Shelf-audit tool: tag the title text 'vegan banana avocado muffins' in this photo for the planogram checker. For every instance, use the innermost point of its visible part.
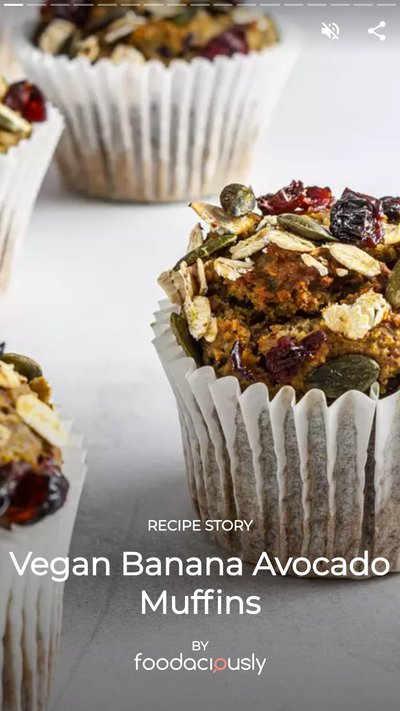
(293, 296)
(41, 476)
(161, 103)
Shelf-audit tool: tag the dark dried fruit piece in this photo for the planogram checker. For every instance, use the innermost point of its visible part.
(357, 219)
(181, 332)
(27, 367)
(76, 11)
(349, 372)
(284, 360)
(391, 208)
(237, 199)
(296, 198)
(28, 100)
(236, 358)
(228, 43)
(392, 294)
(209, 247)
(27, 494)
(305, 226)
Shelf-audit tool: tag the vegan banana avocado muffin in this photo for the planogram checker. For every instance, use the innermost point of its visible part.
(293, 288)
(32, 485)
(147, 31)
(22, 104)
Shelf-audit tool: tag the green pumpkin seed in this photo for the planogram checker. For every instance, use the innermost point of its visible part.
(25, 366)
(348, 372)
(393, 287)
(305, 226)
(212, 245)
(184, 339)
(237, 199)
(184, 17)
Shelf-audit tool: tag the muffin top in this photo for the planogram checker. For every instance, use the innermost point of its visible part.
(293, 288)
(21, 106)
(99, 31)
(31, 434)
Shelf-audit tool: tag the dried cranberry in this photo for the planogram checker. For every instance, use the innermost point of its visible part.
(391, 208)
(284, 360)
(295, 198)
(75, 11)
(357, 218)
(28, 100)
(227, 43)
(29, 494)
(239, 368)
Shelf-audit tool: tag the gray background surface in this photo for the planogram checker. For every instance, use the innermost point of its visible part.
(81, 303)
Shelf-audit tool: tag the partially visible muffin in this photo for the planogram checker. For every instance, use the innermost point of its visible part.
(98, 31)
(32, 485)
(22, 105)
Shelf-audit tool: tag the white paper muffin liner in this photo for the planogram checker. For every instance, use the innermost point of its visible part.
(31, 606)
(22, 170)
(316, 480)
(156, 133)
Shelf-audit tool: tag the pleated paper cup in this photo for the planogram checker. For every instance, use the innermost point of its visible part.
(22, 170)
(315, 480)
(160, 133)
(31, 606)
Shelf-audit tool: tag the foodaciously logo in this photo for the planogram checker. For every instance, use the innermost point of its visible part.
(211, 664)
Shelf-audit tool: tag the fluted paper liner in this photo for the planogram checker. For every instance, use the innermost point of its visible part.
(22, 170)
(315, 480)
(31, 606)
(152, 132)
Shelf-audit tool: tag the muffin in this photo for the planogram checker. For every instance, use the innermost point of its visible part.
(161, 103)
(41, 476)
(282, 347)
(30, 129)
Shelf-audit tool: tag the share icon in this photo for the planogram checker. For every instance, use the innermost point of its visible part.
(374, 31)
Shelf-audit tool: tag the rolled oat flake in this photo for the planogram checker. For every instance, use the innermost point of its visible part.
(349, 372)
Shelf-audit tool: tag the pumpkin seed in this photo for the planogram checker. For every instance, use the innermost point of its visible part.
(224, 223)
(305, 226)
(237, 199)
(25, 366)
(184, 339)
(184, 17)
(212, 245)
(393, 287)
(348, 372)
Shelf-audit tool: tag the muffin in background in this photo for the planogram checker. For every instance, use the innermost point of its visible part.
(281, 343)
(41, 477)
(160, 103)
(30, 129)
